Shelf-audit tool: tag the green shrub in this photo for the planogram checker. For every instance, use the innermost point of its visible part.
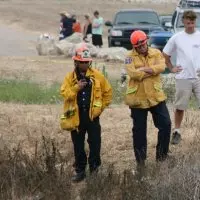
(28, 92)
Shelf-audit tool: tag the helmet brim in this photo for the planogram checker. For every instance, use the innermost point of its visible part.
(81, 59)
(141, 44)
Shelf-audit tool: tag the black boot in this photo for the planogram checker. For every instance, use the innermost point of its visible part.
(94, 168)
(78, 177)
(140, 169)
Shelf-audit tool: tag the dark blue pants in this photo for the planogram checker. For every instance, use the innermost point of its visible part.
(93, 129)
(161, 121)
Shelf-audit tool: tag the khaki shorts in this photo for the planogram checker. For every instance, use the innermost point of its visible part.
(184, 90)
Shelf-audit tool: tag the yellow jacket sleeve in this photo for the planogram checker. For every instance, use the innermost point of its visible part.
(159, 65)
(68, 89)
(135, 74)
(106, 93)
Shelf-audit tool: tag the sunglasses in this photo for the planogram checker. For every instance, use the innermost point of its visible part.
(84, 62)
(141, 46)
(140, 43)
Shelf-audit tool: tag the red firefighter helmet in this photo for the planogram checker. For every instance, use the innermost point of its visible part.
(138, 38)
(82, 54)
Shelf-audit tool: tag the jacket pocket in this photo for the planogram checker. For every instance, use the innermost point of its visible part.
(131, 98)
(97, 100)
(97, 108)
(69, 120)
(131, 90)
(159, 93)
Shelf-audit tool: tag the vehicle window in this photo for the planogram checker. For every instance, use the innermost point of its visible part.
(165, 19)
(137, 18)
(179, 23)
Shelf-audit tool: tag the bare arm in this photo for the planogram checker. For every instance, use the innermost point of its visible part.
(168, 50)
(85, 29)
(173, 69)
(168, 61)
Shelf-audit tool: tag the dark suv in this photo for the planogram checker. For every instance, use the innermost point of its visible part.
(128, 20)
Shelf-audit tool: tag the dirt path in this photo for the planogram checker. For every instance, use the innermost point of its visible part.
(17, 42)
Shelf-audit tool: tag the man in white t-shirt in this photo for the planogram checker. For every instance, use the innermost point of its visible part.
(186, 45)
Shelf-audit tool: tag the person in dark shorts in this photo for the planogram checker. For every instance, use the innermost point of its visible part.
(97, 30)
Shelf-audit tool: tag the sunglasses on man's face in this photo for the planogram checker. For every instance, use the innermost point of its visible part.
(141, 43)
(84, 62)
(141, 46)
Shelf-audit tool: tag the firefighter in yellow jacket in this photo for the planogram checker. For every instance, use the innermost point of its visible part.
(144, 94)
(86, 94)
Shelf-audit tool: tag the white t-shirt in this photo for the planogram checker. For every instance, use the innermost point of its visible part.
(187, 49)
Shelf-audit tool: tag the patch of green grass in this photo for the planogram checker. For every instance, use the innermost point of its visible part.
(118, 92)
(27, 92)
(193, 102)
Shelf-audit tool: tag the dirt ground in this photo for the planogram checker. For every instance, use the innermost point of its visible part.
(27, 123)
(48, 70)
(42, 16)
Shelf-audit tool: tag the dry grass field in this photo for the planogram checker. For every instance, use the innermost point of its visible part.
(36, 156)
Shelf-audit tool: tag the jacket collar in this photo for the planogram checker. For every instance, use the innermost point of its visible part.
(89, 73)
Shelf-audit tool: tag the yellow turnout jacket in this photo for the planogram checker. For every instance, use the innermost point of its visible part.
(143, 91)
(101, 96)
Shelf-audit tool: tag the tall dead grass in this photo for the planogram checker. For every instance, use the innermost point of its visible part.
(43, 175)
(36, 158)
(46, 175)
